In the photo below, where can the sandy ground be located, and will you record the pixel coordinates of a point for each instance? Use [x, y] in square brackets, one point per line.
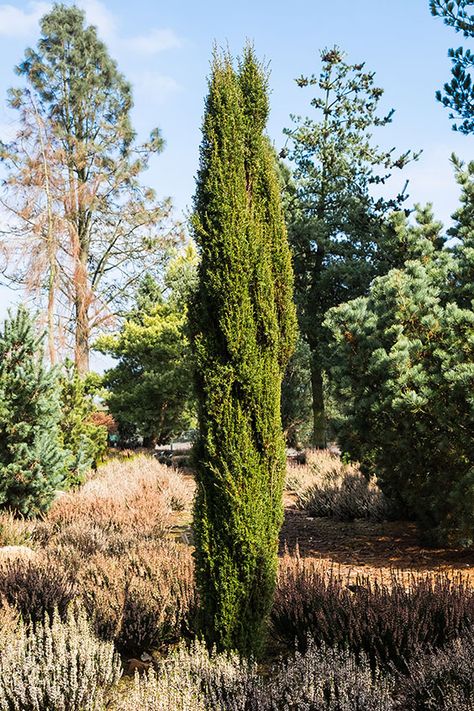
[357, 548]
[363, 548]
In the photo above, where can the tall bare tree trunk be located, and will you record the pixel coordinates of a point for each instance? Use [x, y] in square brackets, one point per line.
[51, 242]
[82, 325]
[319, 414]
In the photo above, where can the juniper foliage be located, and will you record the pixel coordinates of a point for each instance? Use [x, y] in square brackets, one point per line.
[243, 329]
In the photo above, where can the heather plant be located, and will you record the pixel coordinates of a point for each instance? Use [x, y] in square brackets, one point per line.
[159, 601]
[56, 666]
[443, 681]
[328, 487]
[122, 504]
[107, 536]
[37, 587]
[325, 679]
[15, 530]
[345, 498]
[389, 623]
[194, 679]
[142, 599]
[317, 464]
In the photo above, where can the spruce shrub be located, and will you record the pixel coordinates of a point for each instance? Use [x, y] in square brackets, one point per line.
[85, 440]
[33, 463]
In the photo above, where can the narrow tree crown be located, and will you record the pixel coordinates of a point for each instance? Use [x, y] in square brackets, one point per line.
[242, 321]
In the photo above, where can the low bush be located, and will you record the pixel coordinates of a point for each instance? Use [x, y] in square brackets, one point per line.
[103, 584]
[443, 681]
[387, 622]
[35, 587]
[345, 499]
[327, 487]
[318, 680]
[318, 463]
[57, 666]
[126, 502]
[143, 599]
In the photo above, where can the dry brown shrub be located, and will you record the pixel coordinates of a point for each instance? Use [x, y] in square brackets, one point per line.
[137, 588]
[126, 501]
[103, 584]
[143, 598]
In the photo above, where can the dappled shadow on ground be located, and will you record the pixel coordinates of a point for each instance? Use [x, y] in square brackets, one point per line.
[365, 548]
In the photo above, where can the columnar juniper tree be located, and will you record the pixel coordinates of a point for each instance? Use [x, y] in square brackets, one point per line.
[243, 329]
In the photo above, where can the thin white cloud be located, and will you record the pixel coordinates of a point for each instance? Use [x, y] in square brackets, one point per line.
[21, 23]
[155, 41]
[156, 87]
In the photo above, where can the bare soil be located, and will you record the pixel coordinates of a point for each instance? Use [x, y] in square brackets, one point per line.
[368, 549]
[356, 549]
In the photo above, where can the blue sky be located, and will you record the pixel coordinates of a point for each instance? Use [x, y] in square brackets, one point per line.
[164, 50]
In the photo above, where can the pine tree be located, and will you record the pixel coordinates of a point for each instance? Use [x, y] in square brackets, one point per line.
[402, 366]
[84, 226]
[150, 388]
[32, 462]
[459, 92]
[243, 332]
[335, 220]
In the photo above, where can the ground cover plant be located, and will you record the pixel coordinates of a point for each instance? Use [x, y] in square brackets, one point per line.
[105, 566]
[55, 666]
[388, 622]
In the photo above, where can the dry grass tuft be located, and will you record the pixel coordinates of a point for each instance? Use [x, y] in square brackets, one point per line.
[14, 530]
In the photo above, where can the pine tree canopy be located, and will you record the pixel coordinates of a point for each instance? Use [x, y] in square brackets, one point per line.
[459, 92]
